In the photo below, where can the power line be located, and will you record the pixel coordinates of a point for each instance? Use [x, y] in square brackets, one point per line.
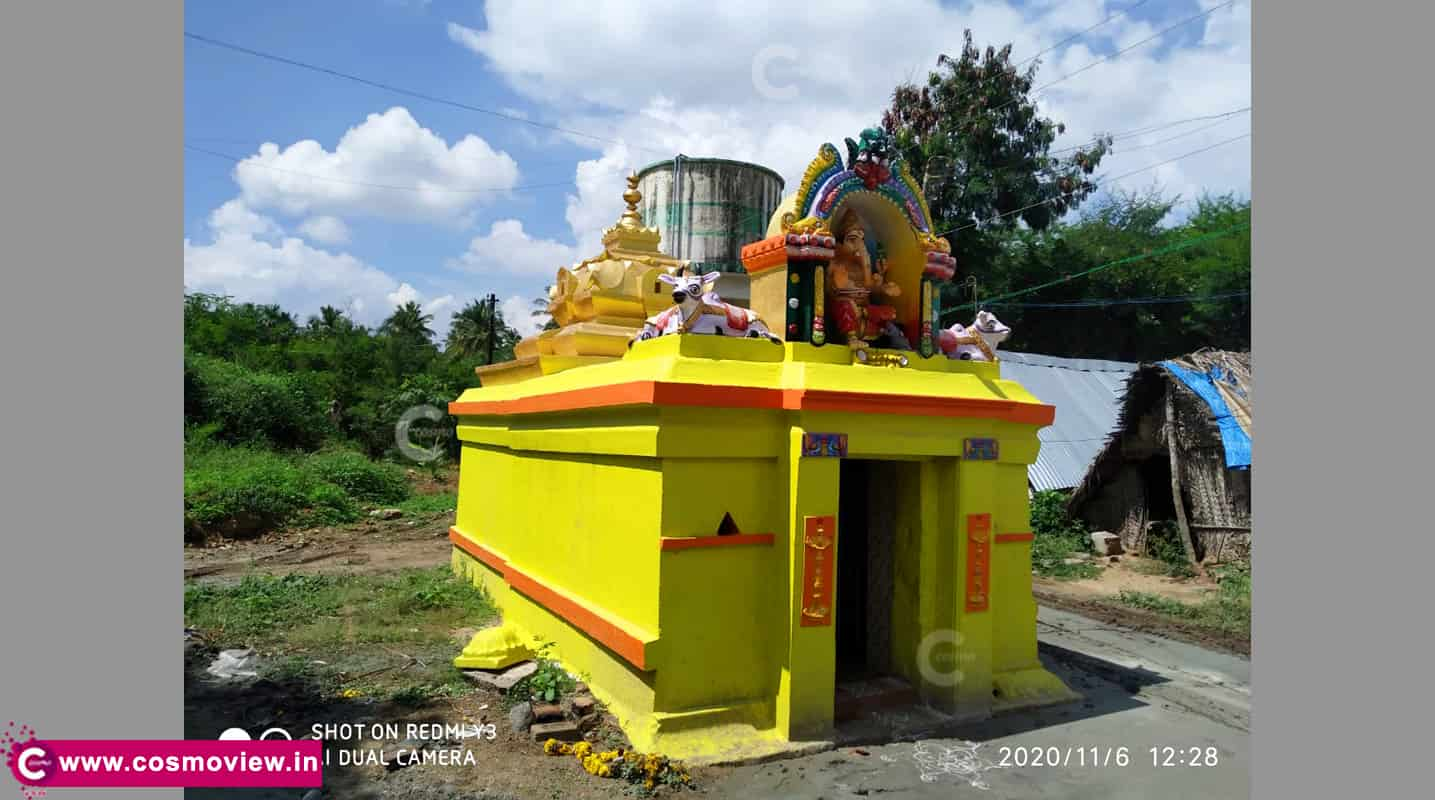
[1118, 53]
[1149, 129]
[1102, 302]
[1174, 138]
[1173, 248]
[238, 160]
[1102, 182]
[408, 92]
[1074, 37]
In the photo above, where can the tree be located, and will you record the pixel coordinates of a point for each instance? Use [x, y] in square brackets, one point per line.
[330, 322]
[468, 333]
[540, 309]
[973, 138]
[1147, 317]
[409, 322]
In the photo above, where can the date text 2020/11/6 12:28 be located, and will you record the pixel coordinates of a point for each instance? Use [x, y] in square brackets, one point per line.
[1094, 756]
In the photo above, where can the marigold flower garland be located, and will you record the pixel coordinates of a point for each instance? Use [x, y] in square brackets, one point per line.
[650, 768]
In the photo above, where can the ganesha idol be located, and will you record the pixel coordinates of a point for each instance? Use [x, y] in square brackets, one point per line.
[853, 284]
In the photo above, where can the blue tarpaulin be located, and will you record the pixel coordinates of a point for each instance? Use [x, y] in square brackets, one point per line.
[1234, 438]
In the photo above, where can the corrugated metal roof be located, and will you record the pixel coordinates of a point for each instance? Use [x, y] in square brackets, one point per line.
[1087, 394]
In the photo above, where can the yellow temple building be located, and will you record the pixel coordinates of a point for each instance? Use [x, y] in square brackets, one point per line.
[720, 533]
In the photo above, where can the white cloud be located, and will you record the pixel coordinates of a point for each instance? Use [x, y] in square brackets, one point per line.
[251, 260]
[712, 106]
[403, 295]
[357, 177]
[507, 248]
[236, 218]
[439, 306]
[325, 230]
[518, 313]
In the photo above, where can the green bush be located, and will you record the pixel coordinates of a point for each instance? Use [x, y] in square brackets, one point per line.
[1048, 515]
[244, 491]
[329, 505]
[247, 406]
[1056, 537]
[361, 478]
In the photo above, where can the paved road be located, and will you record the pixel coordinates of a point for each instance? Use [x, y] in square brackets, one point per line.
[1141, 691]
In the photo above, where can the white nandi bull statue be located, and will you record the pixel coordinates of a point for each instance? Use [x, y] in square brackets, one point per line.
[700, 310]
[975, 342]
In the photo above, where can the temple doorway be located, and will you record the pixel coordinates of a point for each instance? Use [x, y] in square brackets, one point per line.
[871, 517]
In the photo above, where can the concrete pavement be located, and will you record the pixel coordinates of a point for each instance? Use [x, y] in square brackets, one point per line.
[1140, 691]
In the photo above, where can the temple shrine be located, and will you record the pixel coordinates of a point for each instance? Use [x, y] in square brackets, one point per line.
[728, 535]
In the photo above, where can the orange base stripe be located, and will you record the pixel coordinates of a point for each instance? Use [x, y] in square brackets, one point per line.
[1014, 537]
[698, 394]
[610, 635]
[477, 550]
[690, 542]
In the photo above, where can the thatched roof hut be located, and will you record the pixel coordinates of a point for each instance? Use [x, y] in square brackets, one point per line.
[1180, 452]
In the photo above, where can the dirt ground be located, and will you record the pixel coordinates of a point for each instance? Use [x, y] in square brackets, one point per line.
[366, 547]
[1096, 598]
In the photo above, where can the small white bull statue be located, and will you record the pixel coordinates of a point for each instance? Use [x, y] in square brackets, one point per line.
[700, 310]
[975, 342]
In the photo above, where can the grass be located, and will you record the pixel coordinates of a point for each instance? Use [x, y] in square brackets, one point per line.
[1050, 551]
[355, 624]
[248, 489]
[1229, 609]
[428, 504]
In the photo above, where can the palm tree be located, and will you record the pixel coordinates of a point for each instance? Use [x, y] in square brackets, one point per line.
[540, 309]
[468, 333]
[330, 322]
[408, 322]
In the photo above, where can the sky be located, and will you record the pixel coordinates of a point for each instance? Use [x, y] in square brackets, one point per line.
[305, 189]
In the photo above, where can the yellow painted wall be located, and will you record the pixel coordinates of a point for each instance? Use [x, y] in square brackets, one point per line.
[1013, 609]
[722, 640]
[587, 524]
[698, 491]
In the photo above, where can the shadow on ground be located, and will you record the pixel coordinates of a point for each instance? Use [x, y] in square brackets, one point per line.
[296, 705]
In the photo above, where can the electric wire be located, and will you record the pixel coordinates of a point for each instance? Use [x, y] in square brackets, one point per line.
[409, 92]
[1172, 248]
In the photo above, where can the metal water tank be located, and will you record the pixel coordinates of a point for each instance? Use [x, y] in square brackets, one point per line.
[707, 209]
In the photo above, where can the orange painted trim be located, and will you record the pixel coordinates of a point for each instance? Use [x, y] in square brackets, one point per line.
[914, 405]
[761, 262]
[697, 394]
[477, 550]
[625, 644]
[1013, 537]
[670, 543]
[630, 647]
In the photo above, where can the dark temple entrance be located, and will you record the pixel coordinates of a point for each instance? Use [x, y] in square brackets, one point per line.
[865, 534]
[871, 507]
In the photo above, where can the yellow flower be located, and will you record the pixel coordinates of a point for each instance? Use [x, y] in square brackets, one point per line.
[553, 747]
[351, 693]
[582, 749]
